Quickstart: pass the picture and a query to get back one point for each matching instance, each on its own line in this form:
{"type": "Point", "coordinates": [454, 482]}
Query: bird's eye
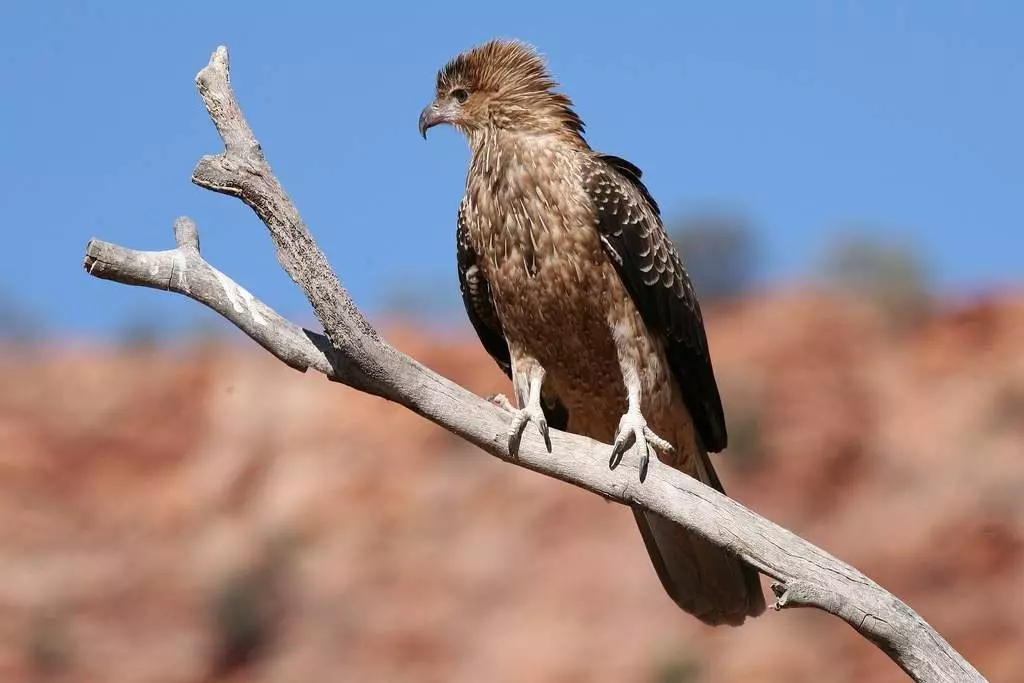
{"type": "Point", "coordinates": [460, 95]}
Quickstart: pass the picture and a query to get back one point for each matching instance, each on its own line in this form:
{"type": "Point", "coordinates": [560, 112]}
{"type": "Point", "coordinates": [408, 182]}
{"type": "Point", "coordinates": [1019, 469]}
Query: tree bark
{"type": "Point", "coordinates": [354, 354]}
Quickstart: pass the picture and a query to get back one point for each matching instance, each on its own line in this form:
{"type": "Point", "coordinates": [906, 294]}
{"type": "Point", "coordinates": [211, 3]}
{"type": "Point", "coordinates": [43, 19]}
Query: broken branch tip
{"type": "Point", "coordinates": [218, 62]}
{"type": "Point", "coordinates": [186, 234]}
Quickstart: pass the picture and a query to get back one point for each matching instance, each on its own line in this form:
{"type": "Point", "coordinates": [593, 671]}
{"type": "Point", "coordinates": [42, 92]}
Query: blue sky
{"type": "Point", "coordinates": [805, 117]}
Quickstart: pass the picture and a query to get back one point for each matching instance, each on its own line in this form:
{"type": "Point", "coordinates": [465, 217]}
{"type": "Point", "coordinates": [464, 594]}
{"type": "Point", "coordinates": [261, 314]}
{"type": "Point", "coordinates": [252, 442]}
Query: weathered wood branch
{"type": "Point", "coordinates": [354, 354]}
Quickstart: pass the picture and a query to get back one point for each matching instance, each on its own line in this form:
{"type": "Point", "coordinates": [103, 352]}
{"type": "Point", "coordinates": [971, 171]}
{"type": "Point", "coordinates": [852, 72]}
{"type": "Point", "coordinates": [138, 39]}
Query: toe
{"type": "Point", "coordinates": [618, 448]}
{"type": "Point", "coordinates": [633, 432]}
{"type": "Point", "coordinates": [542, 427]}
{"type": "Point", "coordinates": [645, 461]}
{"type": "Point", "coordinates": [658, 442]}
{"type": "Point", "coordinates": [623, 442]}
{"type": "Point", "coordinates": [501, 400]}
{"type": "Point", "coordinates": [513, 443]}
{"type": "Point", "coordinates": [515, 433]}
{"type": "Point", "coordinates": [518, 427]}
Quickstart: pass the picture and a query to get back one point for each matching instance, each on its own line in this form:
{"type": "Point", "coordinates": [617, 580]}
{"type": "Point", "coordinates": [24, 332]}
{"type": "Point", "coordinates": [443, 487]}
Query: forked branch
{"type": "Point", "coordinates": [354, 354]}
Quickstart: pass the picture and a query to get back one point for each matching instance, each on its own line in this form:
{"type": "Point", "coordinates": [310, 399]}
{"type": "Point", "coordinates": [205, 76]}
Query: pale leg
{"type": "Point", "coordinates": [633, 434]}
{"type": "Point", "coordinates": [527, 379]}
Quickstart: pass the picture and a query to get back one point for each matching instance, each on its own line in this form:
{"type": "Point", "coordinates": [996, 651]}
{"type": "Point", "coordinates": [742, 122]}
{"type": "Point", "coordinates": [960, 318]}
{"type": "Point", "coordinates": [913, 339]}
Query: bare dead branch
{"type": "Point", "coordinates": [184, 271]}
{"type": "Point", "coordinates": [805, 575]}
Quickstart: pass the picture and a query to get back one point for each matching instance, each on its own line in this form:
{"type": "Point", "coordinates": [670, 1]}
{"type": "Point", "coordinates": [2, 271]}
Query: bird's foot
{"type": "Point", "coordinates": [634, 434]}
{"type": "Point", "coordinates": [531, 413]}
{"type": "Point", "coordinates": [501, 400]}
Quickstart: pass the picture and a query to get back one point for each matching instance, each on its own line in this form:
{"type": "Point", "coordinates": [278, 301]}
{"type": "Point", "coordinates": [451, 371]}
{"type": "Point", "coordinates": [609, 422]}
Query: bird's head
{"type": "Point", "coordinates": [502, 84]}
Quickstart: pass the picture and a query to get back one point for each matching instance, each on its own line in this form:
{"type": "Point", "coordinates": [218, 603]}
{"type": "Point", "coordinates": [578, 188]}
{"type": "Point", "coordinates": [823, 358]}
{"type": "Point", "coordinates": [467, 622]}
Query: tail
{"type": "Point", "coordinates": [713, 585]}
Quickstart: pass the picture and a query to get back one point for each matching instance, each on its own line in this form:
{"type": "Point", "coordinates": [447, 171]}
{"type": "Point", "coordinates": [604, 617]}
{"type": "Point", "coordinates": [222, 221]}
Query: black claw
{"type": "Point", "coordinates": [617, 450]}
{"type": "Point", "coordinates": [622, 444]}
{"type": "Point", "coordinates": [542, 425]}
{"type": "Point", "coordinates": [644, 462]}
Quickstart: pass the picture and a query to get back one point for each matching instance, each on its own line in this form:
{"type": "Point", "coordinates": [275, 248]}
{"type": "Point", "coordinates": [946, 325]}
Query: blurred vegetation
{"type": "Point", "coordinates": [140, 330]}
{"type": "Point", "coordinates": [49, 644]}
{"type": "Point", "coordinates": [676, 667]}
{"type": "Point", "coordinates": [144, 330]}
{"type": "Point", "coordinates": [888, 273]}
{"type": "Point", "coordinates": [720, 253]}
{"type": "Point", "coordinates": [1007, 412]}
{"type": "Point", "coordinates": [745, 429]}
{"type": "Point", "coordinates": [422, 297]}
{"type": "Point", "coordinates": [246, 609]}
{"type": "Point", "coordinates": [19, 324]}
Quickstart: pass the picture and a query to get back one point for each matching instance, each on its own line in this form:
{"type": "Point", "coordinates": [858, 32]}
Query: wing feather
{"type": "Point", "coordinates": [634, 238]}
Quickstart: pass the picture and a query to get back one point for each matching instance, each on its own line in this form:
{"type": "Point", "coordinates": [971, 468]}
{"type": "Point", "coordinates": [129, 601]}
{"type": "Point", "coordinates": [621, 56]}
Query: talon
{"type": "Point", "coordinates": [620, 447]}
{"type": "Point", "coordinates": [645, 460]}
{"type": "Point", "coordinates": [519, 421]}
{"type": "Point", "coordinates": [515, 433]}
{"type": "Point", "coordinates": [542, 425]}
{"type": "Point", "coordinates": [633, 432]}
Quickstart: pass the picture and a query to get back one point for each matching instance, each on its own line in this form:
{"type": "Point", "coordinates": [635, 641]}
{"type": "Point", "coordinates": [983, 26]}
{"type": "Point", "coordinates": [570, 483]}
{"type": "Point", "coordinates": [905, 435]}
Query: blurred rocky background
{"type": "Point", "coordinates": [843, 180]}
{"type": "Point", "coordinates": [195, 511]}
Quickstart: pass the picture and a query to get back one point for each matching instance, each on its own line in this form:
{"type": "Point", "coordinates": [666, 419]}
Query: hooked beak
{"type": "Point", "coordinates": [433, 114]}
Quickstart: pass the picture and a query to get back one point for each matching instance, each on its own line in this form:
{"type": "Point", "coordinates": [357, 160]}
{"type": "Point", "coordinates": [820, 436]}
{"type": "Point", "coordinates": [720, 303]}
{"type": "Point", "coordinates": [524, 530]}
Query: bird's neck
{"type": "Point", "coordinates": [520, 190]}
{"type": "Point", "coordinates": [496, 148]}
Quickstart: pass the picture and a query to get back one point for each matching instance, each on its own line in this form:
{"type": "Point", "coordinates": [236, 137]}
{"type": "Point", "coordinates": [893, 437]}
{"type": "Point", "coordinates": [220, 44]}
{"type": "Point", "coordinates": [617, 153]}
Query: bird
{"type": "Point", "coordinates": [576, 291]}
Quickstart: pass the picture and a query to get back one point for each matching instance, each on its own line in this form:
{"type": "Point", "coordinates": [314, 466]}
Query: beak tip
{"type": "Point", "coordinates": [429, 118]}
{"type": "Point", "coordinates": [424, 122]}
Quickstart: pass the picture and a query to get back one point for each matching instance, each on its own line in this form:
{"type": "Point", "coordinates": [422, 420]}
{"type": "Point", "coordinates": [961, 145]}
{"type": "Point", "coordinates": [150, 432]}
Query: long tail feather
{"type": "Point", "coordinates": [715, 586]}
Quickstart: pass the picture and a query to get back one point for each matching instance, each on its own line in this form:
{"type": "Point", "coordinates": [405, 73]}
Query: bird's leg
{"type": "Point", "coordinates": [527, 376]}
{"type": "Point", "coordinates": [633, 432]}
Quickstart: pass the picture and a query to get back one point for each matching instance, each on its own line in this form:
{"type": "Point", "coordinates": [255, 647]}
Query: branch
{"type": "Point", "coordinates": [184, 271]}
{"type": "Point", "coordinates": [354, 354]}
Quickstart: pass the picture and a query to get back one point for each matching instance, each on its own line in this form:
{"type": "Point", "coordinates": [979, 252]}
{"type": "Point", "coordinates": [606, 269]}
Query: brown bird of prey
{"type": "Point", "coordinates": [577, 292]}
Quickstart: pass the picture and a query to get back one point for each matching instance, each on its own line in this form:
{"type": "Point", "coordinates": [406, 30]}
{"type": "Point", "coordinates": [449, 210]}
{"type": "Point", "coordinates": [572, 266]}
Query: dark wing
{"type": "Point", "coordinates": [629, 222]}
{"type": "Point", "coordinates": [476, 296]}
